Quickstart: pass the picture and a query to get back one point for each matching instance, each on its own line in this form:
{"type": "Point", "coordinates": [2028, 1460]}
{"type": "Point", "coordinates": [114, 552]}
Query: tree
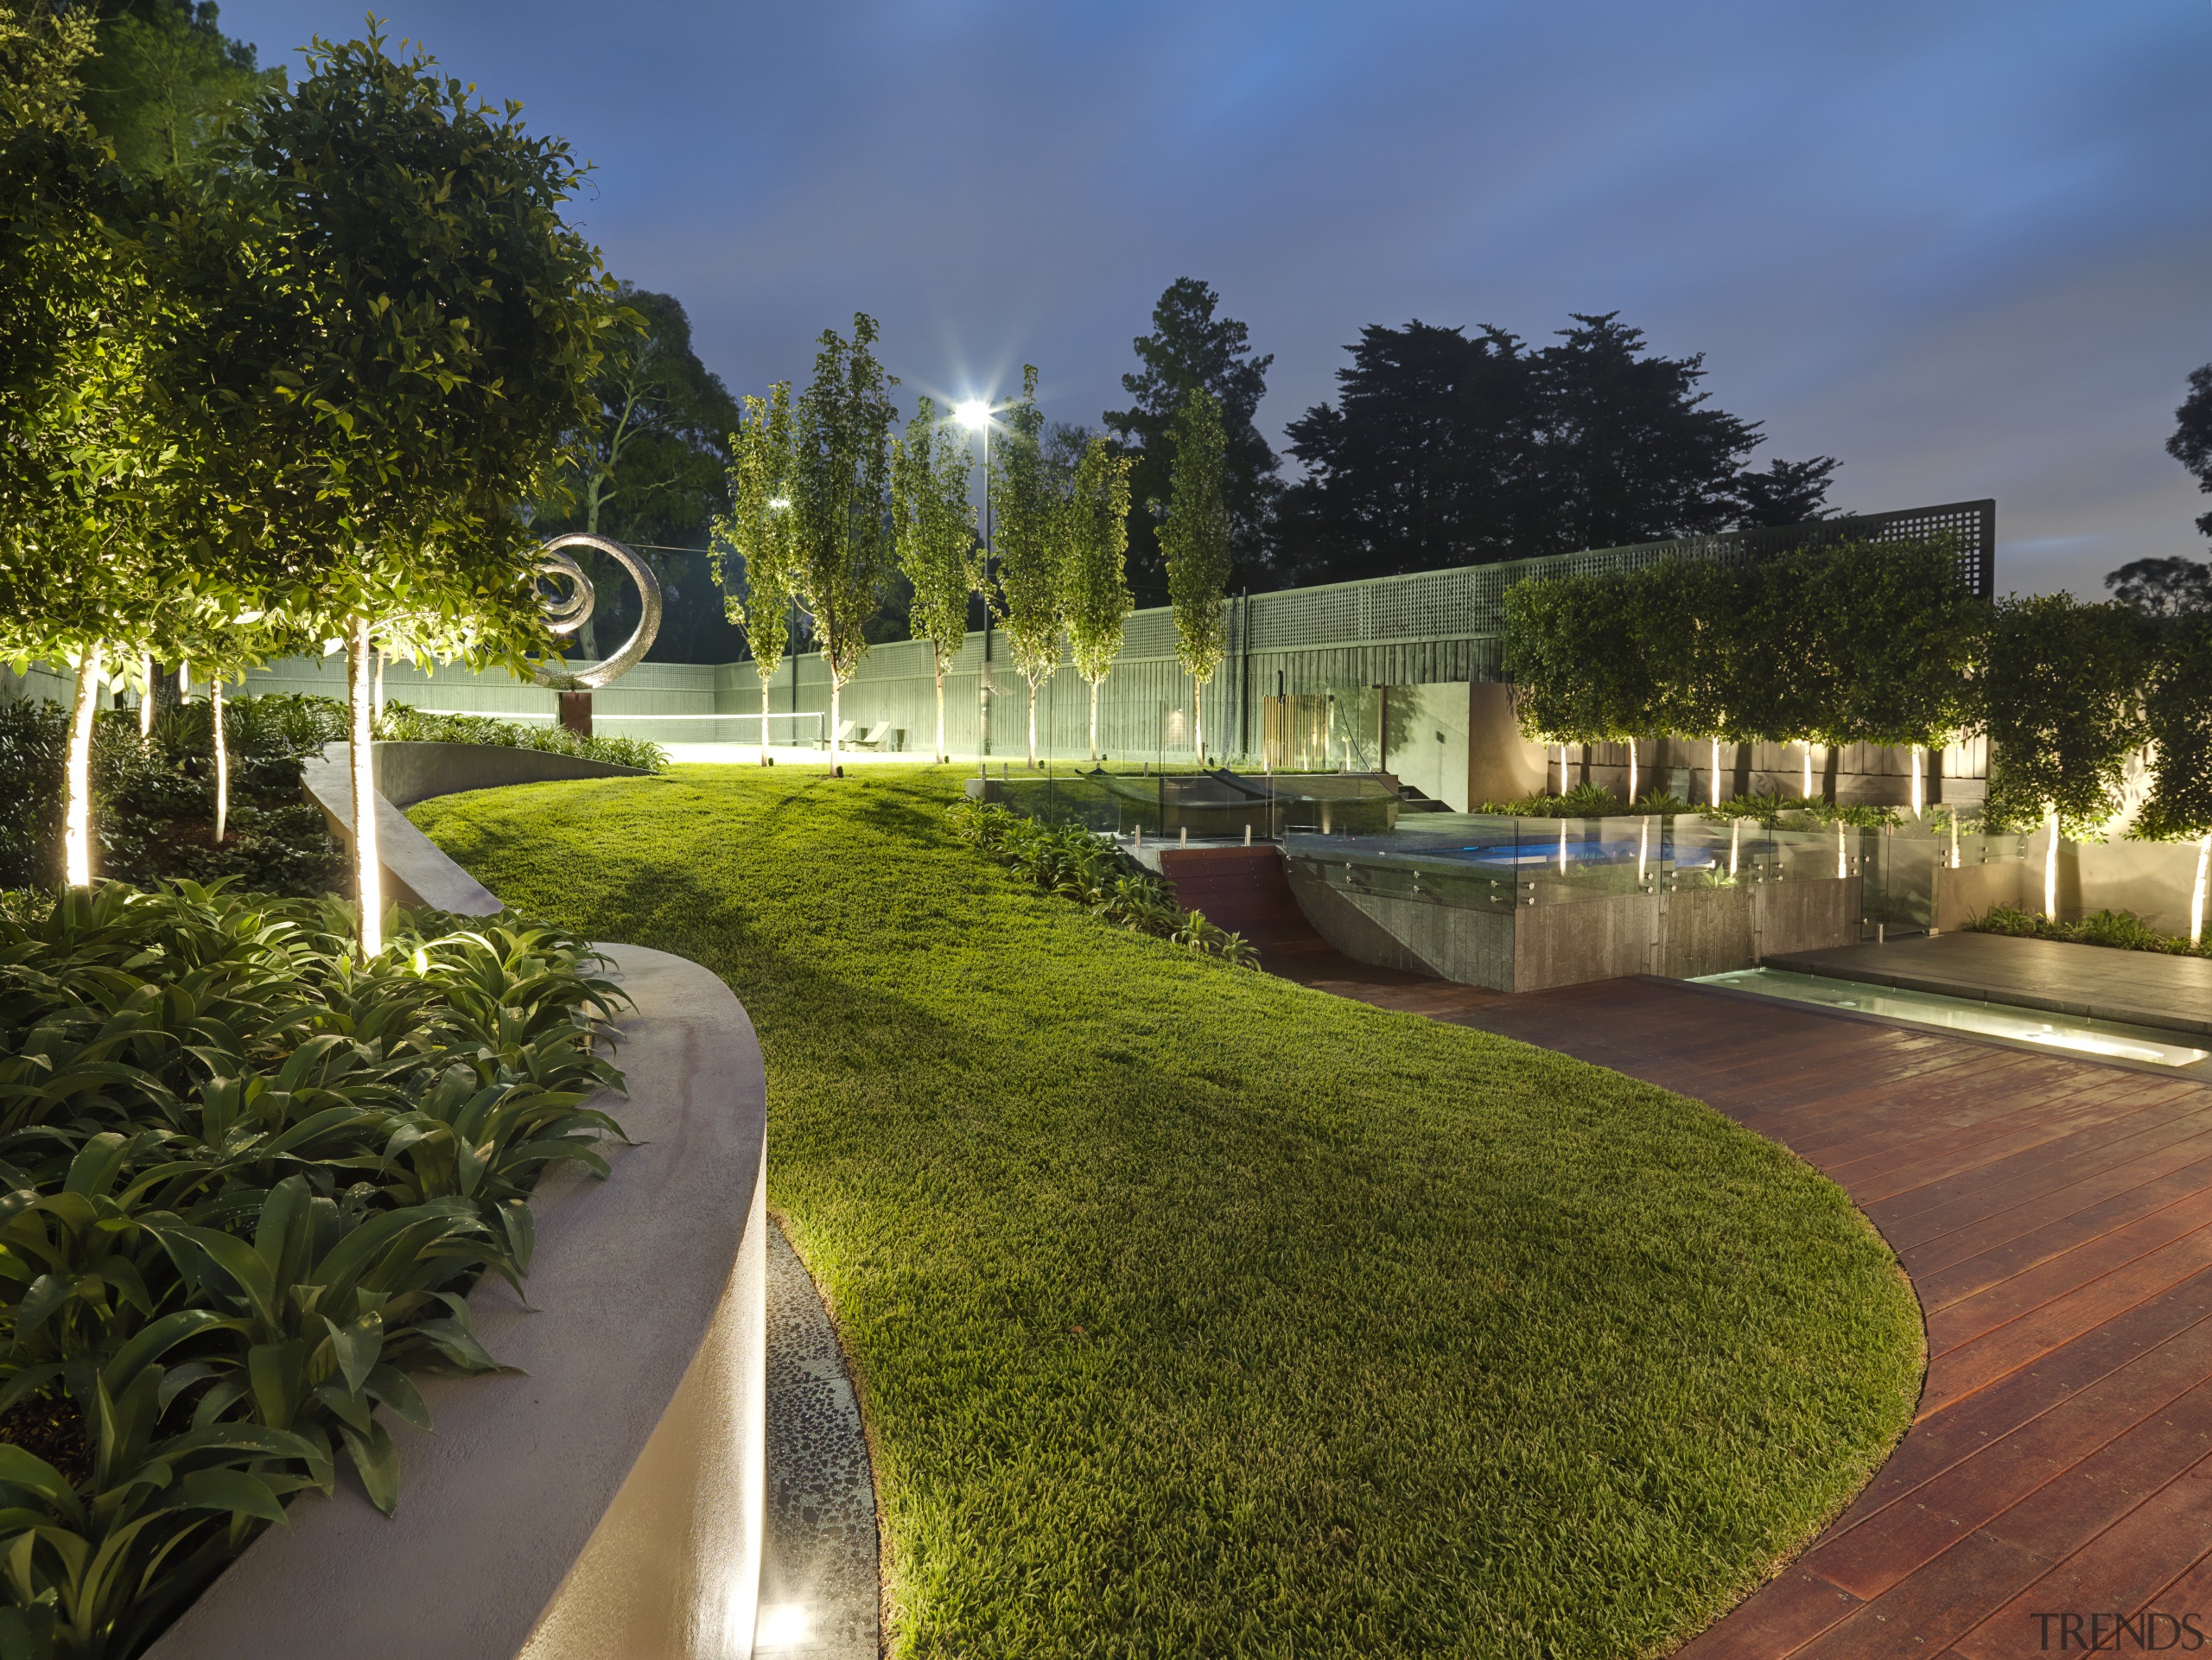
{"type": "Point", "coordinates": [1444, 449]}
{"type": "Point", "coordinates": [841, 505]}
{"type": "Point", "coordinates": [1096, 587]}
{"type": "Point", "coordinates": [761, 529]}
{"type": "Point", "coordinates": [1788, 492]}
{"type": "Point", "coordinates": [2191, 444]}
{"type": "Point", "coordinates": [91, 484]}
{"type": "Point", "coordinates": [934, 521]}
{"type": "Point", "coordinates": [411, 330]}
{"type": "Point", "coordinates": [1902, 640]}
{"type": "Point", "coordinates": [165, 82]}
{"type": "Point", "coordinates": [2062, 702]}
{"type": "Point", "coordinates": [1029, 543]}
{"type": "Point", "coordinates": [2163, 587]}
{"type": "Point", "coordinates": [1428, 458]}
{"type": "Point", "coordinates": [1188, 348]}
{"type": "Point", "coordinates": [2177, 717]}
{"type": "Point", "coordinates": [1195, 544]}
{"type": "Point", "coordinates": [651, 463]}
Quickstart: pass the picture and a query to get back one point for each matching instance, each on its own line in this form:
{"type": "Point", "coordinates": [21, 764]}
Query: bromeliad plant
{"type": "Point", "coordinates": [1080, 865]}
{"type": "Point", "coordinates": [244, 1184]}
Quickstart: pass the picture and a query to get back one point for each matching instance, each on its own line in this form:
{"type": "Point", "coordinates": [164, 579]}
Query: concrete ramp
{"type": "Point", "coordinates": [1245, 891]}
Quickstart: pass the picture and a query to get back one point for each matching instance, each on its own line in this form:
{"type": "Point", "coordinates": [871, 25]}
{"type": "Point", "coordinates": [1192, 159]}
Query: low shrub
{"type": "Point", "coordinates": [245, 1183]}
{"type": "Point", "coordinates": [402, 724]}
{"type": "Point", "coordinates": [153, 797]}
{"type": "Point", "coordinates": [2116, 929]}
{"type": "Point", "coordinates": [1583, 801]}
{"type": "Point", "coordinates": [1087, 867]}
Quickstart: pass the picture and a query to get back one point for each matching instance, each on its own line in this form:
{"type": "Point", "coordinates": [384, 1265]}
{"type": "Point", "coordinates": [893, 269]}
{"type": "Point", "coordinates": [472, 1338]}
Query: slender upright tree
{"type": "Point", "coordinates": [1029, 541]}
{"type": "Point", "coordinates": [1097, 586]}
{"type": "Point", "coordinates": [759, 529]}
{"type": "Point", "coordinates": [841, 502]}
{"type": "Point", "coordinates": [934, 520]}
{"type": "Point", "coordinates": [1194, 540]}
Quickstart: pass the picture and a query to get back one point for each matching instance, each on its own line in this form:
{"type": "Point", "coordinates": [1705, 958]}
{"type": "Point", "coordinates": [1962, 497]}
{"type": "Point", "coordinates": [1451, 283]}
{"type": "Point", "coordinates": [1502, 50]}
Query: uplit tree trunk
{"type": "Point", "coordinates": [1918, 787]}
{"type": "Point", "coordinates": [379, 696]}
{"type": "Point", "coordinates": [1632, 771]}
{"type": "Point", "coordinates": [942, 756]}
{"type": "Point", "coordinates": [146, 700]}
{"type": "Point", "coordinates": [1094, 723]}
{"type": "Point", "coordinates": [1714, 785]}
{"type": "Point", "coordinates": [2051, 863]}
{"type": "Point", "coordinates": [763, 718]}
{"type": "Point", "coordinates": [1842, 856]}
{"type": "Point", "coordinates": [368, 870]}
{"type": "Point", "coordinates": [222, 759]}
{"type": "Point", "coordinates": [1808, 746]}
{"type": "Point", "coordinates": [1735, 845]}
{"type": "Point", "coordinates": [1563, 769]}
{"type": "Point", "coordinates": [836, 689]}
{"type": "Point", "coordinates": [1032, 724]}
{"type": "Point", "coordinates": [2196, 893]}
{"type": "Point", "coordinates": [77, 808]}
{"type": "Point", "coordinates": [1198, 722]}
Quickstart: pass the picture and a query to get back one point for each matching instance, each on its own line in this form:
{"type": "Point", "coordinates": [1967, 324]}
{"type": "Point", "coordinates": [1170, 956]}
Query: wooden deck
{"type": "Point", "coordinates": [2056, 1218]}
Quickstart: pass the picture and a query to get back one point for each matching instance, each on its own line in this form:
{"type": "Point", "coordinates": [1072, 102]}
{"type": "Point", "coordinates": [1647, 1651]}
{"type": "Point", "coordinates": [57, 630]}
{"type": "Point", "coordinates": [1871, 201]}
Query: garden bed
{"type": "Point", "coordinates": [244, 1185]}
{"type": "Point", "coordinates": [1205, 1313]}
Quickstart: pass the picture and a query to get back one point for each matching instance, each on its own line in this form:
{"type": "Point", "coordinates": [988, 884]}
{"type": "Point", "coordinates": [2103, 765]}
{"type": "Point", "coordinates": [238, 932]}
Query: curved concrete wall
{"type": "Point", "coordinates": [414, 872]}
{"type": "Point", "coordinates": [606, 1499]}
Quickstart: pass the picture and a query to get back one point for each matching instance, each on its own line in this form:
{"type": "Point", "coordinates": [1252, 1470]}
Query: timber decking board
{"type": "Point", "coordinates": [2056, 1219]}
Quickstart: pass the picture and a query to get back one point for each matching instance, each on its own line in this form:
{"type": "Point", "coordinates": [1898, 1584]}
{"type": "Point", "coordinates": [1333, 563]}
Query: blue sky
{"type": "Point", "coordinates": [1966, 247]}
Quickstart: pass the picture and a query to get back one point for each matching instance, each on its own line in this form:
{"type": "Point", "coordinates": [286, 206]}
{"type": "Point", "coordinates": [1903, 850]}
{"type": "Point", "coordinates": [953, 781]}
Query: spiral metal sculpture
{"type": "Point", "coordinates": [568, 597]}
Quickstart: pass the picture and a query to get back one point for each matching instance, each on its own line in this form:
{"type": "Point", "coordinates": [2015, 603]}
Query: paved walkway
{"type": "Point", "coordinates": [2056, 1218]}
{"type": "Point", "coordinates": [2135, 987]}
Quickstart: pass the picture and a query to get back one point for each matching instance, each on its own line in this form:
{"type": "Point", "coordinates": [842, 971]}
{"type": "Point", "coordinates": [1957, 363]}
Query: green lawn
{"type": "Point", "coordinates": [1197, 1313]}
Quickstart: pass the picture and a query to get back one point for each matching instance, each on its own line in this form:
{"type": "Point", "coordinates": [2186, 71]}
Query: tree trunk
{"type": "Point", "coordinates": [1632, 771]}
{"type": "Point", "coordinates": [222, 759]}
{"type": "Point", "coordinates": [942, 757]}
{"type": "Point", "coordinates": [1032, 725]}
{"type": "Point", "coordinates": [1094, 723]}
{"type": "Point", "coordinates": [2051, 864]}
{"type": "Point", "coordinates": [1735, 845]}
{"type": "Point", "coordinates": [368, 871]}
{"type": "Point", "coordinates": [836, 688]}
{"type": "Point", "coordinates": [77, 810]}
{"type": "Point", "coordinates": [1712, 787]}
{"type": "Point", "coordinates": [1808, 746]}
{"type": "Point", "coordinates": [1918, 795]}
{"type": "Point", "coordinates": [1199, 724]}
{"type": "Point", "coordinates": [763, 716]}
{"type": "Point", "coordinates": [2196, 893]}
{"type": "Point", "coordinates": [379, 696]}
{"type": "Point", "coordinates": [1842, 863]}
{"type": "Point", "coordinates": [146, 700]}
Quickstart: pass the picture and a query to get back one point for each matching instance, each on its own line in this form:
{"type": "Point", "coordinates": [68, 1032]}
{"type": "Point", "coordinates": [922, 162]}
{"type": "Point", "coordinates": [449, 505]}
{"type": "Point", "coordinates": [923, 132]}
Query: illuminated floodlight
{"type": "Point", "coordinates": [779, 503]}
{"type": "Point", "coordinates": [783, 1625]}
{"type": "Point", "coordinates": [974, 413]}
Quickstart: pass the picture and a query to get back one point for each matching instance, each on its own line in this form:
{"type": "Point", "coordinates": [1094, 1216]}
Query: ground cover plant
{"type": "Point", "coordinates": [399, 723]}
{"type": "Point", "coordinates": [154, 795]}
{"type": "Point", "coordinates": [1196, 1313]}
{"type": "Point", "coordinates": [244, 1180]}
{"type": "Point", "coordinates": [2119, 930]}
{"type": "Point", "coordinates": [1090, 869]}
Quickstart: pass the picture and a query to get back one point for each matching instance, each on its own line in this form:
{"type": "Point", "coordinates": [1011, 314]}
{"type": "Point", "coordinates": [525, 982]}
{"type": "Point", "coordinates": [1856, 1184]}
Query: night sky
{"type": "Point", "coordinates": [1964, 246]}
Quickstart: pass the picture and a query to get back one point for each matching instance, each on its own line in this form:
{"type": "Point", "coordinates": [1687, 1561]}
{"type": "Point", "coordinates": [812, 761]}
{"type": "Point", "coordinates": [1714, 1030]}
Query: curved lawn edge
{"type": "Point", "coordinates": [1232, 1314]}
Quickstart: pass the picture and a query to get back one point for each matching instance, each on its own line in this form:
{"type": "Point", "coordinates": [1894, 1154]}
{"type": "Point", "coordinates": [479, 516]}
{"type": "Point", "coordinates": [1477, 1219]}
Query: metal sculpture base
{"type": "Point", "coordinates": [575, 712]}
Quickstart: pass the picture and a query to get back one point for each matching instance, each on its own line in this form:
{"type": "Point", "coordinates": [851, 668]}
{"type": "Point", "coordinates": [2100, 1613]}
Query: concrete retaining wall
{"type": "Point", "coordinates": [606, 1499]}
{"type": "Point", "coordinates": [1681, 934]}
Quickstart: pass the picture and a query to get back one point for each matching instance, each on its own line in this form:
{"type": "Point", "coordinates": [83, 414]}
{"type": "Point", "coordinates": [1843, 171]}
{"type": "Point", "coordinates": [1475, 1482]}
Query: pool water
{"type": "Point", "coordinates": [2105, 1039]}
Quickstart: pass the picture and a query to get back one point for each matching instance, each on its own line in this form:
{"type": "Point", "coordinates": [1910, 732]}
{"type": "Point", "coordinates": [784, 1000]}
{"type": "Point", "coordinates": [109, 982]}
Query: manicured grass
{"type": "Point", "coordinates": [1197, 1313]}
